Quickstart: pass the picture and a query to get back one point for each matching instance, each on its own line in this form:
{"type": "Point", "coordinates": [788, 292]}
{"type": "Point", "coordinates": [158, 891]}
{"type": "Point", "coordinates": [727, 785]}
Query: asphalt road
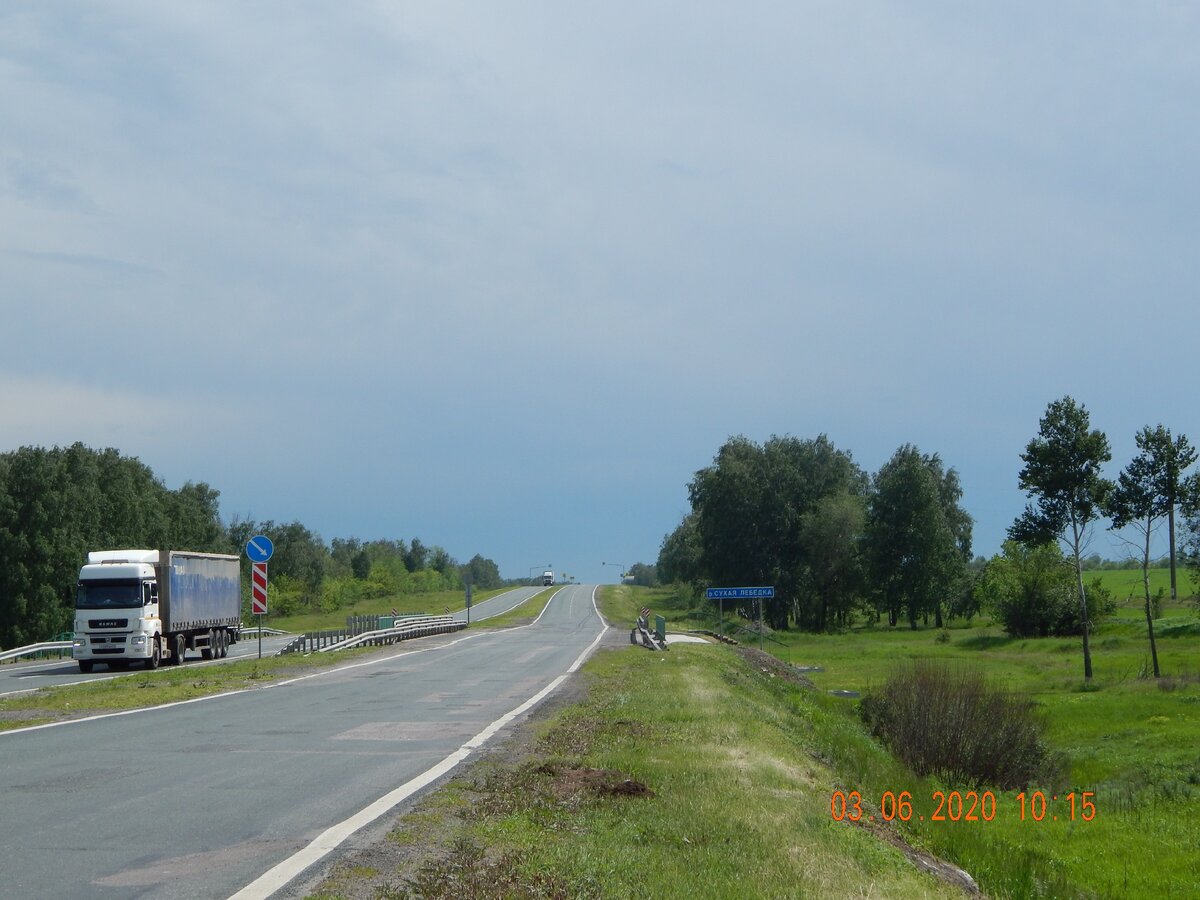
{"type": "Point", "coordinates": [20, 677]}
{"type": "Point", "coordinates": [498, 605]}
{"type": "Point", "coordinates": [16, 678]}
{"type": "Point", "coordinates": [201, 799]}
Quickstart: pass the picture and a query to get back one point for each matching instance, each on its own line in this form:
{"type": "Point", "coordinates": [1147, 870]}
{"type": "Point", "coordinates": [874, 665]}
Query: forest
{"type": "Point", "coordinates": [56, 504]}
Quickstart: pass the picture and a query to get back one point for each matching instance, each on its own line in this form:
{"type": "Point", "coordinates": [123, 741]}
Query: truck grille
{"type": "Point", "coordinates": [108, 623]}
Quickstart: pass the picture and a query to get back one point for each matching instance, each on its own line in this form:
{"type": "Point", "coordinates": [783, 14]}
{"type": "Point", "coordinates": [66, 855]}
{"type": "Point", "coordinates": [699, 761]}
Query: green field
{"type": "Point", "coordinates": [1132, 740]}
{"type": "Point", "coordinates": [1126, 584]}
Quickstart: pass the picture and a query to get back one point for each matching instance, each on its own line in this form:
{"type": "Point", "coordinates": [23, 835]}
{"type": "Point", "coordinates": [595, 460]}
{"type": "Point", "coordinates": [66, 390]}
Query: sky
{"type": "Point", "coordinates": [504, 276]}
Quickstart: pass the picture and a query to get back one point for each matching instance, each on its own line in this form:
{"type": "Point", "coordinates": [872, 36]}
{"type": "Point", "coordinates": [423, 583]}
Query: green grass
{"type": "Point", "coordinates": [519, 615]}
{"type": "Point", "coordinates": [683, 774]}
{"type": "Point", "coordinates": [1126, 584]}
{"type": "Point", "coordinates": [1134, 742]}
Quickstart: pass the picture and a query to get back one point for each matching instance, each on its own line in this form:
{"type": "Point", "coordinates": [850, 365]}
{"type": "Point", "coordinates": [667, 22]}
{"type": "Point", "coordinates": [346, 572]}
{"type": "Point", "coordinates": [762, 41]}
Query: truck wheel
{"type": "Point", "coordinates": [180, 649]}
{"type": "Point", "coordinates": [85, 666]}
{"type": "Point", "coordinates": [155, 655]}
{"type": "Point", "coordinates": [207, 652]}
{"type": "Point", "coordinates": [223, 640]}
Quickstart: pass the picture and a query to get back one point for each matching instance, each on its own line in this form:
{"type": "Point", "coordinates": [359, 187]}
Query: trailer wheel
{"type": "Point", "coordinates": [85, 666]}
{"type": "Point", "coordinates": [155, 655]}
{"type": "Point", "coordinates": [207, 652]}
{"type": "Point", "coordinates": [180, 649]}
{"type": "Point", "coordinates": [224, 643]}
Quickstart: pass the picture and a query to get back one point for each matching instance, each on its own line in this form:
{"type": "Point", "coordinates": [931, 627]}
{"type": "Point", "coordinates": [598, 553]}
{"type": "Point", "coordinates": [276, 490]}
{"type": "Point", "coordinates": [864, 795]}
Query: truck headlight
{"type": "Point", "coordinates": [139, 640]}
{"type": "Point", "coordinates": [79, 642]}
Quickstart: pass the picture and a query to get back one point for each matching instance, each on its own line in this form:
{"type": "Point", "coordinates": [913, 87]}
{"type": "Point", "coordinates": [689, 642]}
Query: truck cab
{"type": "Point", "coordinates": [116, 610]}
{"type": "Point", "coordinates": [547, 578]}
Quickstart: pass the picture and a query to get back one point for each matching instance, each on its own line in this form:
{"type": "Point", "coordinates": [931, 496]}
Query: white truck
{"type": "Point", "coordinates": [154, 605]}
{"type": "Point", "coordinates": [547, 578]}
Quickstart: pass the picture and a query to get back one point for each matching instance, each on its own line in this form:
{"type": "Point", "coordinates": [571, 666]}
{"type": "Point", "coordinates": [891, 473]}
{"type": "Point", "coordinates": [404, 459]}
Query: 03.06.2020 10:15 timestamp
{"type": "Point", "coordinates": [966, 806]}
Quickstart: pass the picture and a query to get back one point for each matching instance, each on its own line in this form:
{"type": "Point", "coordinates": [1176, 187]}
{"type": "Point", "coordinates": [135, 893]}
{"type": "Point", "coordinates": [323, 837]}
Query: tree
{"type": "Point", "coordinates": [833, 574]}
{"type": "Point", "coordinates": [1172, 457]}
{"type": "Point", "coordinates": [643, 575]}
{"type": "Point", "coordinates": [1062, 474]}
{"type": "Point", "coordinates": [1030, 590]}
{"type": "Point", "coordinates": [417, 556]}
{"type": "Point", "coordinates": [481, 572]}
{"type": "Point", "coordinates": [748, 507]}
{"type": "Point", "coordinates": [360, 565]}
{"type": "Point", "coordinates": [1146, 492]}
{"type": "Point", "coordinates": [918, 538]}
{"type": "Point", "coordinates": [679, 557]}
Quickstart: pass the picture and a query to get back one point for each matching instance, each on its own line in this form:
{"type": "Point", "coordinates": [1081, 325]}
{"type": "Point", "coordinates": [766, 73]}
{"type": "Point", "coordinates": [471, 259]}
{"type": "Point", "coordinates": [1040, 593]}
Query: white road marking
{"type": "Point", "coordinates": [329, 840]}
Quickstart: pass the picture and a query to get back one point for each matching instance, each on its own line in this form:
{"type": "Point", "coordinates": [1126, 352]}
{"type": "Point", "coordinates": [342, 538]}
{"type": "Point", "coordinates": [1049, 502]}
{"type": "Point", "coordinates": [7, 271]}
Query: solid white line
{"type": "Point", "coordinates": [329, 840]}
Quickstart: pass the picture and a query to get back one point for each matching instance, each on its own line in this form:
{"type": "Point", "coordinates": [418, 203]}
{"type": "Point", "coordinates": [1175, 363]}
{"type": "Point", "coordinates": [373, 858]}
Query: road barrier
{"type": "Point", "coordinates": [45, 648]}
{"type": "Point", "coordinates": [641, 634]}
{"type": "Point", "coordinates": [402, 629]}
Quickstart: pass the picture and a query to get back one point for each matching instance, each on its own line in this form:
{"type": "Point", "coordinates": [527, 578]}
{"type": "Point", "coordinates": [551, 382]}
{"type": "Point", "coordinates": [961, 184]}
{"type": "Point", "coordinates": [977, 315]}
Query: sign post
{"type": "Point", "coordinates": [259, 549]}
{"type": "Point", "coordinates": [741, 593]}
{"type": "Point", "coordinates": [468, 603]}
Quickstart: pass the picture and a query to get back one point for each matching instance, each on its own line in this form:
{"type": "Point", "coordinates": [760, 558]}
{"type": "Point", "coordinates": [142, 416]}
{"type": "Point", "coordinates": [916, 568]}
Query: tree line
{"type": "Point", "coordinates": [801, 515]}
{"type": "Point", "coordinates": [57, 504]}
{"type": "Point", "coordinates": [837, 543]}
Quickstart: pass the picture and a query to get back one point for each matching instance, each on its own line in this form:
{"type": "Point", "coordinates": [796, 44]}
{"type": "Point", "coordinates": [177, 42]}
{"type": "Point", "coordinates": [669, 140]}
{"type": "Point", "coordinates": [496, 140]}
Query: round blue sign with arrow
{"type": "Point", "coordinates": [259, 548]}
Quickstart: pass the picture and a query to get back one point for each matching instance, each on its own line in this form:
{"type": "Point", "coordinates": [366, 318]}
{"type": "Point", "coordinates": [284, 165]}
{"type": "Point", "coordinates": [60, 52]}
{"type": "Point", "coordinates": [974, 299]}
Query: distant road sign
{"type": "Point", "coordinates": [259, 548]}
{"type": "Point", "coordinates": [742, 593]}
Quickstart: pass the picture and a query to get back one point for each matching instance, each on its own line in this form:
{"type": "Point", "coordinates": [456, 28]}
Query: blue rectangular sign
{"type": "Point", "coordinates": [742, 593]}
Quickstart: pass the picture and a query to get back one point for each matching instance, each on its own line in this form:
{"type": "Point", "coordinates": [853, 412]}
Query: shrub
{"type": "Point", "coordinates": [1033, 592]}
{"type": "Point", "coordinates": [950, 722]}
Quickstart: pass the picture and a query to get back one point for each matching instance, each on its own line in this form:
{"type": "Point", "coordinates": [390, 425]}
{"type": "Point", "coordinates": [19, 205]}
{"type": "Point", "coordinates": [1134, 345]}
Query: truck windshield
{"type": "Point", "coordinates": [108, 595]}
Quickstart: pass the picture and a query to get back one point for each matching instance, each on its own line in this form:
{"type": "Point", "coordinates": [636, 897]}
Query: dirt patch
{"type": "Point", "coordinates": [773, 665]}
{"type": "Point", "coordinates": [570, 781]}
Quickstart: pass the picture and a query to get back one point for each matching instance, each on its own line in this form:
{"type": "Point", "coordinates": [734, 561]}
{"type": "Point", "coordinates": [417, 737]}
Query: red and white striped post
{"type": "Point", "coordinates": [258, 596]}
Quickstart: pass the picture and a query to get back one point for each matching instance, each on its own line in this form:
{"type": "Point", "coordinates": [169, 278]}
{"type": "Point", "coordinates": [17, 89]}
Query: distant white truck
{"type": "Point", "coordinates": [547, 578]}
{"type": "Point", "coordinates": [154, 605]}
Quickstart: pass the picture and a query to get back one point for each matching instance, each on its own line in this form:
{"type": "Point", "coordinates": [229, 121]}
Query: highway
{"type": "Point", "coordinates": [245, 791]}
{"type": "Point", "coordinates": [21, 677]}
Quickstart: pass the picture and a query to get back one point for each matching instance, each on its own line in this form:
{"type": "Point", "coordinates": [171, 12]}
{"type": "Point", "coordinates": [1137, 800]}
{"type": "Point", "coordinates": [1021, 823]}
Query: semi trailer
{"type": "Point", "coordinates": [152, 606]}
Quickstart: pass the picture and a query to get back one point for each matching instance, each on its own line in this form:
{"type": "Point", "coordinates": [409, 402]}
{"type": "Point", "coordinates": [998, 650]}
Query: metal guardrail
{"type": "Point", "coordinates": [404, 629]}
{"type": "Point", "coordinates": [255, 630]}
{"type": "Point", "coordinates": [35, 649]}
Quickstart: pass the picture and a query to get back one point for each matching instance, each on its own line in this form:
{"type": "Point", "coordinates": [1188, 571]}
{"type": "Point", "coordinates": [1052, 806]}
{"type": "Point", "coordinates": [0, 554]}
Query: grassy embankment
{"type": "Point", "coordinates": [682, 774]}
{"type": "Point", "coordinates": [1132, 739]}
{"type": "Point", "coordinates": [742, 767]}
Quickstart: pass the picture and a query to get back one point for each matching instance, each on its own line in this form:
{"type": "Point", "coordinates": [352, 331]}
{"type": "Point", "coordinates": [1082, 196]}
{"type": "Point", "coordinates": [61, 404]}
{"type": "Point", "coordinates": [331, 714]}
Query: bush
{"type": "Point", "coordinates": [1032, 592]}
{"type": "Point", "coordinates": [950, 722]}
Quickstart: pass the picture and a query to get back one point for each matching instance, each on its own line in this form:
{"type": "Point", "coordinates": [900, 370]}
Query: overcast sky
{"type": "Point", "coordinates": [503, 276]}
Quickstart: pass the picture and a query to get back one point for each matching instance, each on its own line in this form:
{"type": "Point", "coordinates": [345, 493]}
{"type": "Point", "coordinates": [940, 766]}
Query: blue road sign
{"type": "Point", "coordinates": [742, 593]}
{"type": "Point", "coordinates": [259, 548]}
